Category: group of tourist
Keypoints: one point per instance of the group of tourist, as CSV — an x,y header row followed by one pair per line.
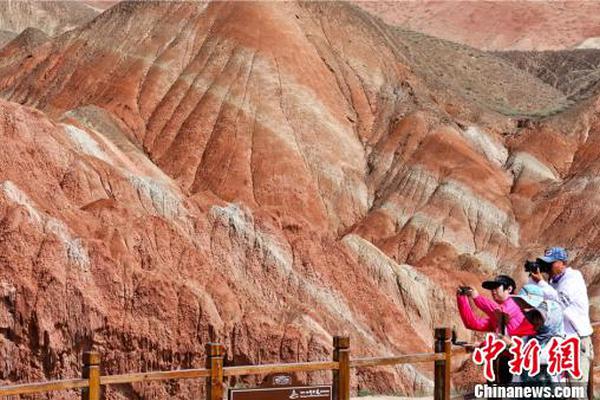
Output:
x,y
553,303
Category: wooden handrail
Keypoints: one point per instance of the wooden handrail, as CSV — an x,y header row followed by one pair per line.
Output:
x,y
204,373
270,368
154,376
404,359
265,369
41,387
458,350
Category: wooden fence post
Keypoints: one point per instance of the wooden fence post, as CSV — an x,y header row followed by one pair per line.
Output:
x,y
214,362
341,377
91,371
442,368
499,364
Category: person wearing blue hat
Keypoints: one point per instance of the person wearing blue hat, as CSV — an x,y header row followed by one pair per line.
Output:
x,y
567,287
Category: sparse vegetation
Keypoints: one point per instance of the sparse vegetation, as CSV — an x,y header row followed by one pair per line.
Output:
x,y
483,78
576,73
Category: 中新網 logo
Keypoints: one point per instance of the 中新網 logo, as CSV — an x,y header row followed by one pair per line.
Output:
x,y
562,356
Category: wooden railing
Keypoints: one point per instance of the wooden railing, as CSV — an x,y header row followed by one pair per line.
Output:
x,y
92,381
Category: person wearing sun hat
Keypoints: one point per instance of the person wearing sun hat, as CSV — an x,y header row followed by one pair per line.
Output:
x,y
502,315
567,287
544,314
501,288
546,317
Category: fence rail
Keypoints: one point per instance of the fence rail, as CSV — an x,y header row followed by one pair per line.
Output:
x,y
214,372
154,376
43,387
270,368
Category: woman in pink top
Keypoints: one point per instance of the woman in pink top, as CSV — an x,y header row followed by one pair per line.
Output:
x,y
502,304
502,307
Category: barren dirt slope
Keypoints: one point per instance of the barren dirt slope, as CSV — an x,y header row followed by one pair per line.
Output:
x,y
51,17
497,25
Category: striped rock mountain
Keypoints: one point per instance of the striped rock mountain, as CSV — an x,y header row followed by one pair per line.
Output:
x,y
268,175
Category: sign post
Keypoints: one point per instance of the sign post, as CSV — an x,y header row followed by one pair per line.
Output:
x,y
282,387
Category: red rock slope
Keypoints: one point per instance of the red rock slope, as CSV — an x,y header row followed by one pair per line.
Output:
x,y
267,175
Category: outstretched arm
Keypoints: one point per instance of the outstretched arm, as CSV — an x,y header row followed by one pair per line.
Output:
x,y
471,321
486,305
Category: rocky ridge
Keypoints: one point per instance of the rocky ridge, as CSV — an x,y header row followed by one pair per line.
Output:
x,y
499,25
50,17
576,73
